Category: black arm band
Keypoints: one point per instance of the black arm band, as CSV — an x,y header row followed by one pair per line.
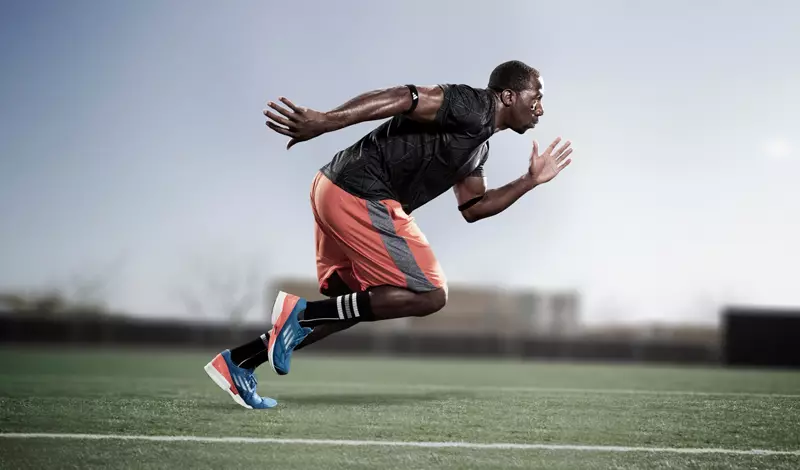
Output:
x,y
414,99
470,203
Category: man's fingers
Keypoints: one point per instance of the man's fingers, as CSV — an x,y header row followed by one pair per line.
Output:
x,y
280,109
291,143
561,149
288,103
563,156
535,149
564,164
280,119
553,145
279,129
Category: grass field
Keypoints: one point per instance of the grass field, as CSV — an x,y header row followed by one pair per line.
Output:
x,y
392,413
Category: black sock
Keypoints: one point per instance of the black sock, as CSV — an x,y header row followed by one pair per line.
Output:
x,y
249,355
348,307
255,361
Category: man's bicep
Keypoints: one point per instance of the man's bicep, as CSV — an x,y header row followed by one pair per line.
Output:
x,y
429,101
470,190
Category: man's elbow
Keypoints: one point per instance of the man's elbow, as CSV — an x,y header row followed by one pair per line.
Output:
x,y
471,216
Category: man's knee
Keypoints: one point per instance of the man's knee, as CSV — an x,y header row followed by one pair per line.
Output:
x,y
435,301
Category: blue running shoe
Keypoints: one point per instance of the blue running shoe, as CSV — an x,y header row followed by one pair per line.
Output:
x,y
286,332
238,382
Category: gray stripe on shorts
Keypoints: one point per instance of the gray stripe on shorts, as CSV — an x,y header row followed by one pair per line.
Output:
x,y
398,248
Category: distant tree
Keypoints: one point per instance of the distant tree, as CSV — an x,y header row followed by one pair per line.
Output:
x,y
49,302
223,288
81,294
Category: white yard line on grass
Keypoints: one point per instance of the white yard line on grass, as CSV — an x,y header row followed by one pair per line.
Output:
x,y
422,444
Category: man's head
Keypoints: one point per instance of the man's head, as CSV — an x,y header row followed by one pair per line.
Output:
x,y
519,88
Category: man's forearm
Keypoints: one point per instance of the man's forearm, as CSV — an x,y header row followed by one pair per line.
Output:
x,y
497,200
370,106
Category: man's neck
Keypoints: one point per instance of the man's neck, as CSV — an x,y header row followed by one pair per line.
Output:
x,y
499,109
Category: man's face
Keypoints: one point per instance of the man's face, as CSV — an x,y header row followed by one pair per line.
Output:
x,y
527,107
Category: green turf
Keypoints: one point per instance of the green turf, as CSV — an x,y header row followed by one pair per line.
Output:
x,y
167,393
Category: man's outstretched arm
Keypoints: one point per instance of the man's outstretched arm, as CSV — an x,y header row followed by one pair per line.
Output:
x,y
476,203
302,123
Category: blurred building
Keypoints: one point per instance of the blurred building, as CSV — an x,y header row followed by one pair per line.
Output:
x,y
489,310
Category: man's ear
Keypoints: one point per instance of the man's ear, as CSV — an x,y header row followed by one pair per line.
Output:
x,y
508,97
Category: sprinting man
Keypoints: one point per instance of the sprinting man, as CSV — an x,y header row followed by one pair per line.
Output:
x,y
373,261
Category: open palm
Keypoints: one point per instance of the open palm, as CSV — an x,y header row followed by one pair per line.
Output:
x,y
548,165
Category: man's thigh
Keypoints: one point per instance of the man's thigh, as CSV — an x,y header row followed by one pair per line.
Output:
x,y
383,245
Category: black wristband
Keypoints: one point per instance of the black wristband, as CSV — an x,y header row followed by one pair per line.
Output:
x,y
414,99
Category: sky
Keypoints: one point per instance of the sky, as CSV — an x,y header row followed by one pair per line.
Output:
x,y
133,148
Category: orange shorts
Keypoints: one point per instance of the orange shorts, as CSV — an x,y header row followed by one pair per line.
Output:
x,y
370,243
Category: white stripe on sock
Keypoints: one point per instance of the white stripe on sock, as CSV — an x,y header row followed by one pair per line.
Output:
x,y
347,309
355,305
339,307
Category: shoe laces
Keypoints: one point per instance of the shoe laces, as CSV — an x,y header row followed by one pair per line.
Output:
x,y
252,382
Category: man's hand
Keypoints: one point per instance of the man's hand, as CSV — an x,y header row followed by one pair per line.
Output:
x,y
546,166
298,122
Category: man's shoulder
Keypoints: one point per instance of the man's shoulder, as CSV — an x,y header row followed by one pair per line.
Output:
x,y
464,91
466,107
